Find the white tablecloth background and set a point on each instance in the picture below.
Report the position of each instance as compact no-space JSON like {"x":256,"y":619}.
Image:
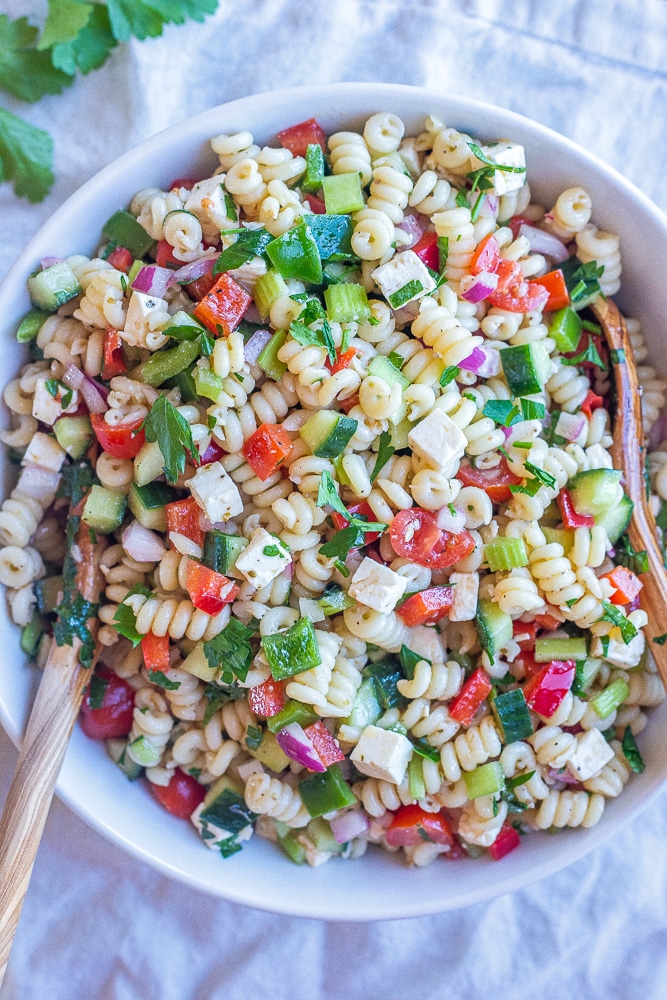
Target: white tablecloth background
{"x":97,"y":923}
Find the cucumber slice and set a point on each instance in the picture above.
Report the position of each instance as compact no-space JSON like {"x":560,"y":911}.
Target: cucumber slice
{"x":319,"y":831}
{"x":221,"y":551}
{"x":493,"y":626}
{"x":148,"y":464}
{"x":74,"y":434}
{"x":31,"y":635}
{"x":399,"y":434}
{"x":564,"y":537}
{"x":565,"y":329}
{"x":117,"y":751}
{"x":52,"y":287}
{"x":526,"y":368}
{"x":104,"y":509}
{"x":512,"y":714}
{"x":594,"y":491}
{"x":616,"y":520}
{"x":224,"y":806}
{"x":328,"y":433}
{"x":572,"y":648}
{"x":367,"y":708}
{"x":383,"y":368}
{"x":30,"y":325}
{"x":147,"y":503}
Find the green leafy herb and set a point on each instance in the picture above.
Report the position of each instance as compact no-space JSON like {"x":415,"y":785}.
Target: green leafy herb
{"x":59,"y":391}
{"x":96,"y":692}
{"x":312,"y":310}
{"x":631,"y":751}
{"x":271,"y":550}
{"x":172,"y":432}
{"x":327,"y":494}
{"x":307,"y":337}
{"x":660,"y":640}
{"x":532,"y":410}
{"x":253,"y":737}
{"x":544,"y":477}
{"x":520,"y":779}
{"x":207,"y":344}
{"x":24,"y":71}
{"x":443,"y":252}
{"x":73,"y":617}
{"x":424,"y":749}
{"x":249,"y":243}
{"x":613,"y":614}
{"x":64,"y":21}
{"x":90,"y":49}
{"x":125,"y":620}
{"x":604,"y":642}
{"x":582,"y":280}
{"x":503,"y":411}
{"x":229,"y":846}
{"x":529,"y":488}
{"x":341,"y":543}
{"x":334,"y":599}
{"x":405,"y":293}
{"x":231,"y":651}
{"x":230,"y":207}
{"x":462,"y":198}
{"x":481,"y":155}
{"x":449,"y":374}
{"x":395,"y":359}
{"x":590,"y":354}
{"x":628,"y":556}
{"x":160,"y":678}
{"x":76,"y":480}
{"x":146,"y":20}
{"x":385,"y":451}
{"x":409,"y":660}
{"x":218,"y":695}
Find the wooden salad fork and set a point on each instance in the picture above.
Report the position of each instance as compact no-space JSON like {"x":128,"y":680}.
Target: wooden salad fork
{"x":47,"y":735}
{"x":629,"y":454}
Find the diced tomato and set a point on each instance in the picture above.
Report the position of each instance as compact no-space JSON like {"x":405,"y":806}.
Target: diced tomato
{"x":527,"y":660}
{"x":426,"y":607}
{"x":297,"y":138}
{"x":348,"y":404}
{"x":495,"y":482}
{"x":155,"y":650}
{"x":200,"y":287}
{"x":412,"y":825}
{"x":570,"y":517}
{"x":554,"y":282}
{"x":268,"y":698}
{"x":545,"y":691}
{"x":514,"y":293}
{"x":592,"y":402}
{"x":326,"y":746}
{"x":115,"y":715}
{"x":361,"y":509}
{"x":627,"y":585}
{"x":343,"y":360}
{"x":524,"y":634}
{"x":212,"y":453}
{"x":181,"y":796}
{"x":164,"y":256}
{"x":548,"y":621}
{"x":113,"y":359}
{"x":121,"y":259}
{"x":316,"y":204}
{"x":222,"y":309}
{"x":507,"y":840}
{"x":516,"y":222}
{"x":464,"y":706}
{"x":209,"y":591}
{"x":183,"y":516}
{"x":486,"y":257}
{"x":415,"y":535}
{"x":427,"y":250}
{"x":119,"y":440}
{"x":267,"y":449}
{"x":183,"y":182}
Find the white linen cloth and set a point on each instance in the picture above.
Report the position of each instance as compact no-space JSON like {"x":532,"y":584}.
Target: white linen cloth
{"x":96,"y":922}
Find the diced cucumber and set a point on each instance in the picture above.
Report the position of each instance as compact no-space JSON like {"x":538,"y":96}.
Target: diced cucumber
{"x":117,"y":750}
{"x":319,"y":832}
{"x":143,"y":752}
{"x":147,"y":503}
{"x":221,"y":551}
{"x":104,"y":509}
{"x":294,"y":711}
{"x":416,"y":786}
{"x":512,"y":714}
{"x":312,"y":179}
{"x":346,"y":302}
{"x":326,"y":791}
{"x":585,"y":673}
{"x":51,"y":288}
{"x":123,"y":230}
{"x":196,"y":663}
{"x":564,"y":536}
{"x":616,"y":519}
{"x":526,"y":368}
{"x":224,"y":805}
{"x":327,"y":433}
{"x":386,"y":674}
{"x":287,"y":839}
{"x":342,"y":193}
{"x":207,"y":383}
{"x":74,"y":434}
{"x":31,"y":635}
{"x":565,"y":328}
{"x":268,"y":359}
{"x":383,"y":368}
{"x":148,"y":464}
{"x":367,"y":708}
{"x":399,"y":434}
{"x":270,"y":753}
{"x":571,"y":648}
{"x":595,"y":490}
{"x":30,"y":325}
{"x":494,"y":627}
{"x":505,"y":554}
{"x":485,"y":780}
{"x":48,"y":593}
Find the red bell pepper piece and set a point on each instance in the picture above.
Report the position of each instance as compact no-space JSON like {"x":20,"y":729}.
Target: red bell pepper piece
{"x":164,"y":256}
{"x":507,"y":840}
{"x":627,"y":585}
{"x":115,"y":715}
{"x":570,"y":517}
{"x":426,"y":249}
{"x":155,"y":650}
{"x":412,"y":825}
{"x":181,"y":796}
{"x":464,"y":706}
{"x":297,"y":138}
{"x":119,"y":440}
{"x":200,"y":287}
{"x":268,"y":698}
{"x":183,"y":516}
{"x":121,"y":259}
{"x":486,"y":257}
{"x":183,"y":182}
{"x":326,"y":746}
{"x":348,"y":404}
{"x":426,"y":607}
{"x":524,"y":634}
{"x":113,"y":359}
{"x":554,"y":282}
{"x":266,"y":449}
{"x":343,"y":360}
{"x":548,"y":621}
{"x":209,"y":591}
{"x":222,"y":309}
{"x":592,"y":402}
{"x":545,"y":690}
{"x":316,"y":204}
{"x":364,"y":510}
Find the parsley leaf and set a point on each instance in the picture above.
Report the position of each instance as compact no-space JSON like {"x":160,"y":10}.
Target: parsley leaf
{"x":64,"y":21}
{"x":253,"y":737}
{"x":172,"y":432}
{"x":613,"y":614}
{"x":544,"y":477}
{"x":161,"y":679}
{"x":503,"y":411}
{"x":25,"y":72}
{"x":631,"y":752}
{"x":72,"y":623}
{"x":218,"y":695}
{"x":26,"y":155}
{"x":308,"y":337}
{"x":530,"y":487}
{"x":249,"y":243}
{"x":590,"y":354}
{"x":660,"y":640}
{"x":125,"y":620}
{"x":581,"y":279}
{"x":231,"y":651}
{"x":76,"y":480}
{"x":341,"y":543}
{"x":631,"y":558}
{"x":477,"y":150}
{"x":385,"y":451}
{"x":532,"y":410}
{"x":449,"y":375}
{"x":91,"y":47}
{"x":327,"y":494}
{"x":96,"y":691}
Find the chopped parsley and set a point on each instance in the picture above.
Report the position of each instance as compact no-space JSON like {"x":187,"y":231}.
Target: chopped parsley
{"x":544,"y":477}
{"x":628,"y":556}
{"x":218,"y":695}
{"x":631,"y":751}
{"x":231,"y":651}
{"x":405,"y":293}
{"x":660,"y":640}
{"x":125,"y":620}
{"x":449,"y":374}
{"x":613,"y":614}
{"x":73,"y":618}
{"x":308,"y":337}
{"x":582,"y":280}
{"x":160,"y":678}
{"x":271,"y":550}
{"x":590,"y":354}
{"x":248,"y":244}
{"x":385,"y":452}
{"x":173,"y":434}
{"x":253,"y":737}
{"x":503,"y":411}
{"x":97,"y":690}
{"x":62,"y":393}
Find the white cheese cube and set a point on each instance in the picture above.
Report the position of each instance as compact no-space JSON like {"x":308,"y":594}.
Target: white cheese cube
{"x":207,"y":201}
{"x":263,"y":559}
{"x":47,"y":407}
{"x":618,"y":653}
{"x":215,"y":492}
{"x":401,"y":270}
{"x":426,"y":642}
{"x":510,"y":154}
{"x":465,"y":590}
{"x":439,"y":441}
{"x":591,"y":755}
{"x":140,"y":311}
{"x":377,"y":586}
{"x":382,"y":754}
{"x":44,"y":450}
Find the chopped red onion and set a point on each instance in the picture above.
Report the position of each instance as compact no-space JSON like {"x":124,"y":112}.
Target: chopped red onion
{"x":564,"y":776}
{"x":252,"y":316}
{"x":349,"y":825}
{"x":153,"y":280}
{"x":570,"y":426}
{"x":475,"y":288}
{"x":413,"y":229}
{"x":94,"y":395}
{"x":196,"y":269}
{"x":543,"y":242}
{"x":50,"y":261}
{"x":256,"y":345}
{"x":296,"y":745}
{"x":484,"y":361}
{"x":142,"y":544}
{"x":507,"y":431}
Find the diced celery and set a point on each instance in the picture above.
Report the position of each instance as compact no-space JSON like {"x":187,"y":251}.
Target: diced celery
{"x":609,"y":699}
{"x":570,"y":648}
{"x":416,"y":785}
{"x":346,"y":303}
{"x":505,"y":553}
{"x":485,"y":780}
{"x":207,"y":383}
{"x":268,"y":360}
{"x":342,"y":193}
{"x":268,"y":288}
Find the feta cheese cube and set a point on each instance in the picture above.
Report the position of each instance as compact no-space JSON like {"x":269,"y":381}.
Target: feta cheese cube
{"x":465,"y":590}
{"x":382,"y":754}
{"x":47,"y":407}
{"x":140,"y":312}
{"x":510,"y":154}
{"x":215,"y":492}
{"x":263,"y":559}
{"x":590,"y":756}
{"x":207,"y":201}
{"x":401,"y":270}
{"x":618,"y":653}
{"x":439,"y":441}
{"x":425,"y":641}
{"x":44,"y":450}
{"x":377,"y":586}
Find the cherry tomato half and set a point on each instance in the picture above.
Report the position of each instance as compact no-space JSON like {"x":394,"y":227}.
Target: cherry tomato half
{"x":119,"y":440}
{"x":412,"y":825}
{"x":415,"y":535}
{"x":495,"y":482}
{"x":114,"y":717}
{"x":181,"y":796}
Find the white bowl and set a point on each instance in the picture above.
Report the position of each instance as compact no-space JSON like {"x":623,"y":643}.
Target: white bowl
{"x":378,"y":886}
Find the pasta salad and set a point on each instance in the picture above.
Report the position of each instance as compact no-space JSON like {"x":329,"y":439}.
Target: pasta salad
{"x":337,"y":417}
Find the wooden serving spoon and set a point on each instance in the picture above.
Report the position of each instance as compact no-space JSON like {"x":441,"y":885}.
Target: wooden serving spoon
{"x":52,"y":718}
{"x":629,"y":454}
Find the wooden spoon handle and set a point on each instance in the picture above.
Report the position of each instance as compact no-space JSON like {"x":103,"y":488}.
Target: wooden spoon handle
{"x":44,"y":744}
